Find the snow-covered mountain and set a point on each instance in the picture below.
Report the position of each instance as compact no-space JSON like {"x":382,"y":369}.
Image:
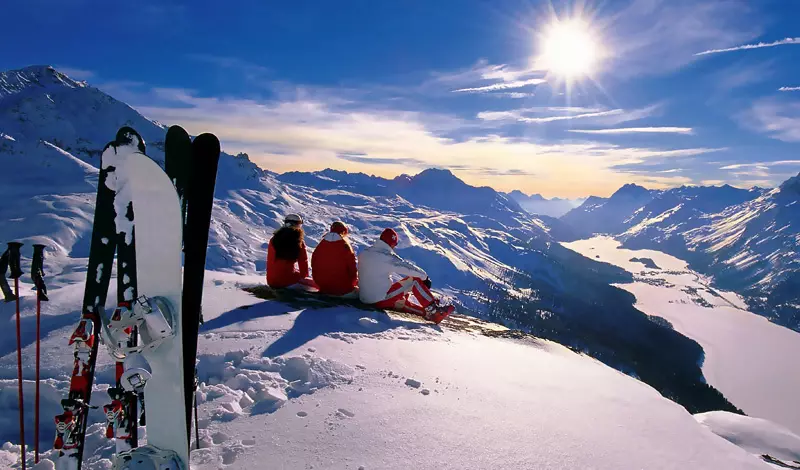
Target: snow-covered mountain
{"x":747,"y":239}
{"x":539,"y":205}
{"x":54,"y":129}
{"x":433,"y":188}
{"x":260,"y":365}
{"x":608,"y":215}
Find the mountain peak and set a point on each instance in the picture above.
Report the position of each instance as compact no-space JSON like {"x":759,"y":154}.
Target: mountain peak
{"x":440,"y":173}
{"x":791,"y":186}
{"x":45,"y":76}
{"x":434,"y":177}
{"x":631,"y":190}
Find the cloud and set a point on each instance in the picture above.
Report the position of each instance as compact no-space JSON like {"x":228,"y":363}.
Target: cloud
{"x":637,"y":130}
{"x":75,"y":73}
{"x":760,"y":165}
{"x":789,"y":88}
{"x":779,"y":120}
{"x":652,"y":37}
{"x":417,"y":163}
{"x":782,"y":42}
{"x":600,"y":115}
{"x":313,"y":132}
{"x":502,"y":86}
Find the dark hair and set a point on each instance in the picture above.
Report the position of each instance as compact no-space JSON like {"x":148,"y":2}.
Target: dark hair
{"x":287,"y":242}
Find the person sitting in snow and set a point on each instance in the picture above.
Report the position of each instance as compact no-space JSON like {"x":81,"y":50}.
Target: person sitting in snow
{"x":333,"y":264}
{"x":378,"y":263}
{"x":287,"y":260}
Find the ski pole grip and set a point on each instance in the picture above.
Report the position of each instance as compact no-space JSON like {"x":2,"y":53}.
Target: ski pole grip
{"x":37,"y":271}
{"x":13,"y":260}
{"x":8,"y":295}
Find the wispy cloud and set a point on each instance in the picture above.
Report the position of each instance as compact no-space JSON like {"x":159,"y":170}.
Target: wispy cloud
{"x":760,"y":165}
{"x":778,"y":119}
{"x":637,"y":130}
{"x":602,"y":116}
{"x":313,"y":133}
{"x":743,"y":47}
{"x":502,"y":86}
{"x":650,"y":37}
{"x":789,"y":88}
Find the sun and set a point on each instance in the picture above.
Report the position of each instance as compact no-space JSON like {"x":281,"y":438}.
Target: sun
{"x":569,"y":49}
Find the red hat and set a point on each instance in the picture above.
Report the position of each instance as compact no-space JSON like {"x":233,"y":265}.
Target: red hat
{"x":389,"y":237}
{"x":340,"y":228}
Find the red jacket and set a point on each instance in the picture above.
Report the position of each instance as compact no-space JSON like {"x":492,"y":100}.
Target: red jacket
{"x":333,"y":265}
{"x":284,"y":273}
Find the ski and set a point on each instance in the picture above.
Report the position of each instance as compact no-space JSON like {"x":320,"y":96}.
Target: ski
{"x":121,"y":414}
{"x":177,"y":163}
{"x":71,"y":424}
{"x":200,"y":202}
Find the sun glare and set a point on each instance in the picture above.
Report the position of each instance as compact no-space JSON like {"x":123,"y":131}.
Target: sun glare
{"x":569,"y":49}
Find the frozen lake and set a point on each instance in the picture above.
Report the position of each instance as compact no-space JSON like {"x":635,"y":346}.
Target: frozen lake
{"x":752,"y":361}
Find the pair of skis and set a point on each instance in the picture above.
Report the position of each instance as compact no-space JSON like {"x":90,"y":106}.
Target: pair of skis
{"x":153,"y":332}
{"x":11,"y":259}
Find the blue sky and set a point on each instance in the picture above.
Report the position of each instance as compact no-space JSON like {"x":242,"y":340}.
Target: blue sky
{"x":676,"y":91}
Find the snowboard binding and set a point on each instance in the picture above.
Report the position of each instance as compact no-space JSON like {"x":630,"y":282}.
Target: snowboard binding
{"x":153,"y":318}
{"x":148,"y":458}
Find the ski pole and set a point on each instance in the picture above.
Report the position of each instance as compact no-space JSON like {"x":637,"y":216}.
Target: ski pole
{"x":196,"y":423}
{"x":37,"y":274}
{"x":16,"y":272}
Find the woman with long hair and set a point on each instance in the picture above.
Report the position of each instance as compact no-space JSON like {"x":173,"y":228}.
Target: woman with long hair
{"x":287,"y":260}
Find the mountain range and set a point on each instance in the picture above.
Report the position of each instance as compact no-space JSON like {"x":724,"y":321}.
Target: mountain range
{"x":480,"y":248}
{"x":746,"y":240}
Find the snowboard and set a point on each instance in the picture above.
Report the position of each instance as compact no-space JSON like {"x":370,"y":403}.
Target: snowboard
{"x":159,"y":231}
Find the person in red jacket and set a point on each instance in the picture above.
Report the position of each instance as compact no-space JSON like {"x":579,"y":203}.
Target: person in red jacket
{"x":287,"y":260}
{"x":333,"y":264}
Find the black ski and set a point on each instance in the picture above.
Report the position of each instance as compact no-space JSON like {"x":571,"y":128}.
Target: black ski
{"x":71,"y":425}
{"x":178,"y":163}
{"x":200,"y":201}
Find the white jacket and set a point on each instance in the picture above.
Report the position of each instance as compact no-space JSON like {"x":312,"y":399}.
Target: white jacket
{"x":375,"y":266}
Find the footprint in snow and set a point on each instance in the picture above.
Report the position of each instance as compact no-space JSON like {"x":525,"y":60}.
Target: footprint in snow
{"x":218,"y":438}
{"x":302,"y":414}
{"x":345,"y":412}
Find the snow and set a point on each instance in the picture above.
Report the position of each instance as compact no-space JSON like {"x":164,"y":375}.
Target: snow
{"x":757,"y":436}
{"x":746,"y":357}
{"x":302,"y":388}
{"x":289,"y":387}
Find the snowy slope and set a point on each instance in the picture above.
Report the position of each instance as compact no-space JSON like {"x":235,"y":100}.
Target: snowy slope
{"x":54,"y":129}
{"x":340,"y":388}
{"x":757,"y":436}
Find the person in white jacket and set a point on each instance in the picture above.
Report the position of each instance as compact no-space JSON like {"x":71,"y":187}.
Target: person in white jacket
{"x":378,"y":263}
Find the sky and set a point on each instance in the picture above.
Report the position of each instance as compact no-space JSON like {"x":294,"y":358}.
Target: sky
{"x":560,"y":98}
